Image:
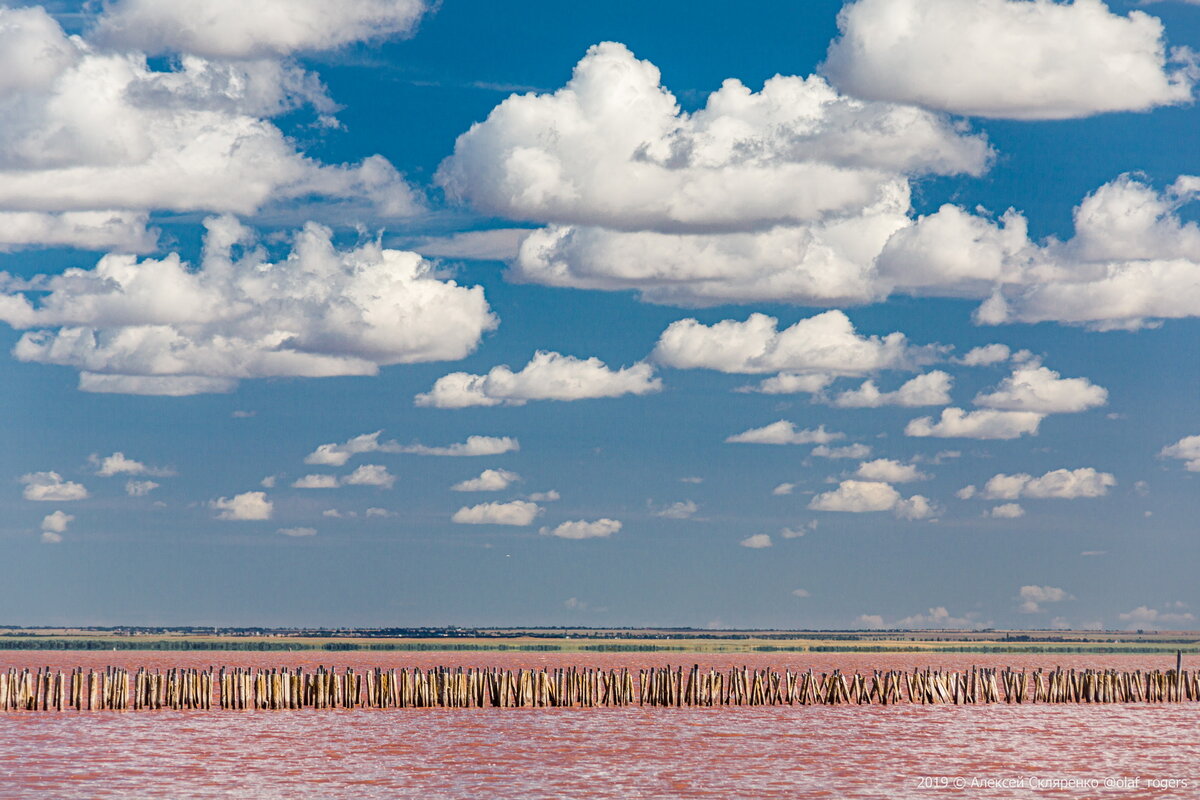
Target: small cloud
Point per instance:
(582, 529)
(985, 355)
(49, 487)
(50, 537)
(869, 621)
(1005, 511)
(757, 541)
(370, 475)
(691, 480)
(799, 530)
(1141, 488)
(57, 522)
(1092, 553)
(966, 493)
(298, 531)
(332, 513)
(1034, 596)
(545, 497)
(243, 414)
(245, 506)
(139, 488)
(784, 432)
(517, 513)
(119, 464)
(682, 510)
(783, 488)
(800, 593)
(849, 451)
(490, 480)
(269, 481)
(380, 512)
(315, 481)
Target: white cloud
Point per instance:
(320, 312)
(473, 446)
(981, 424)
(849, 451)
(1063, 484)
(930, 389)
(545, 497)
(940, 618)
(784, 432)
(869, 621)
(1005, 511)
(684, 509)
(691, 479)
(490, 480)
(547, 376)
(119, 464)
(316, 481)
(336, 455)
(1131, 261)
(516, 512)
(986, 355)
(582, 529)
(139, 488)
(826, 343)
(1034, 596)
(859, 497)
(94, 139)
(269, 481)
(370, 475)
(245, 506)
(1032, 387)
(380, 512)
(757, 541)
(297, 532)
(1144, 616)
(50, 537)
(966, 493)
(800, 593)
(791, 383)
(1005, 58)
(889, 471)
(795, 151)
(783, 488)
(332, 513)
(57, 522)
(1186, 449)
(798, 531)
(228, 29)
(49, 487)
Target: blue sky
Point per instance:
(931, 265)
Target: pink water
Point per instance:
(509, 754)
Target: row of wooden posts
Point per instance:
(119, 689)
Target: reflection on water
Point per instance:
(624, 753)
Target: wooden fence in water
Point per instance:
(117, 689)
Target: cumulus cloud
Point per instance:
(473, 446)
(783, 194)
(547, 376)
(795, 151)
(370, 475)
(784, 432)
(57, 522)
(49, 487)
(50, 537)
(119, 464)
(783, 488)
(319, 312)
(981, 424)
(139, 488)
(582, 529)
(1005, 58)
(757, 541)
(889, 470)
(1005, 511)
(1033, 597)
(516, 512)
(380, 513)
(94, 139)
(1187, 450)
(856, 497)
(1032, 387)
(545, 497)
(1131, 261)
(336, 455)
(228, 29)
(826, 344)
(930, 389)
(986, 355)
(316, 481)
(791, 383)
(245, 506)
(490, 480)
(298, 532)
(849, 451)
(1143, 616)
(684, 509)
(1063, 484)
